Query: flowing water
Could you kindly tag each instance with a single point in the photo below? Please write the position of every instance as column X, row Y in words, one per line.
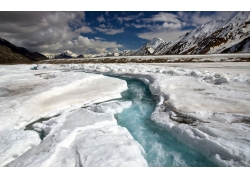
column 161, row 148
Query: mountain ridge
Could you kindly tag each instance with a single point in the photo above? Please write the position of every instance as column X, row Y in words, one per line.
column 10, row 53
column 217, row 36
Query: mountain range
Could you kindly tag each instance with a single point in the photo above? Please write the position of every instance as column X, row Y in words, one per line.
column 220, row 36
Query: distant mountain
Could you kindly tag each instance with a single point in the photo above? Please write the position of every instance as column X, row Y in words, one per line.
column 221, row 36
column 65, row 55
column 128, row 52
column 80, row 56
column 69, row 55
column 150, row 47
column 9, row 54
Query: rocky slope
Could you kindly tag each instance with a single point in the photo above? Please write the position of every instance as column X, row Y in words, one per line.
column 221, row 36
column 9, row 54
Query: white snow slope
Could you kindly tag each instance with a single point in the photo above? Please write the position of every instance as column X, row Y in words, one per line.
column 75, row 136
column 206, row 106
column 220, row 36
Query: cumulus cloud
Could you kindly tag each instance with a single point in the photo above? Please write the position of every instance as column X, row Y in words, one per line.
column 51, row 32
column 110, row 31
column 80, row 45
column 98, row 38
column 169, row 26
column 97, row 46
column 165, row 35
column 172, row 25
column 163, row 17
column 114, row 50
column 101, row 19
column 128, row 17
column 199, row 18
column 84, row 29
column 140, row 25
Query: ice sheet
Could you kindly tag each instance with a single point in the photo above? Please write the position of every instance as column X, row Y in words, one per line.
column 85, row 138
column 29, row 95
column 205, row 105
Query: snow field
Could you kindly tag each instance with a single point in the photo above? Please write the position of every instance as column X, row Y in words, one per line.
column 86, row 138
column 28, row 95
column 207, row 110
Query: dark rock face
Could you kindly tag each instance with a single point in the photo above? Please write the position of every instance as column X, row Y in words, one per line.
column 9, row 54
column 243, row 46
column 80, row 56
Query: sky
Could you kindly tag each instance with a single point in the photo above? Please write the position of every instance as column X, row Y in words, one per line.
column 94, row 32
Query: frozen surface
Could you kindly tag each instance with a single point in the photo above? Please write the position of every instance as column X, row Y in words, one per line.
column 163, row 58
column 206, row 106
column 161, row 148
column 16, row 142
column 28, row 95
column 85, row 137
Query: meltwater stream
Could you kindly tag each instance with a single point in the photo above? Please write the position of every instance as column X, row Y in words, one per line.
column 161, row 148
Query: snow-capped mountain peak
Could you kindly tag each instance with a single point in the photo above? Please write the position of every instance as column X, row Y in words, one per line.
column 64, row 54
column 217, row 36
column 152, row 45
column 69, row 53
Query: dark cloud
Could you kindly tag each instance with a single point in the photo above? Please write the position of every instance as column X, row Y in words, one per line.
column 50, row 32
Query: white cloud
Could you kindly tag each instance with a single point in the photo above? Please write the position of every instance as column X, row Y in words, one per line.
column 163, row 17
column 114, row 50
column 162, row 25
column 165, row 35
column 86, row 45
column 199, row 18
column 52, row 32
column 34, row 29
column 80, row 45
column 98, row 38
column 101, row 19
column 171, row 25
column 140, row 25
column 110, row 31
column 84, row 29
column 102, row 26
column 129, row 18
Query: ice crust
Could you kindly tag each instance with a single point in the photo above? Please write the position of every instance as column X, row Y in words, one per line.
column 206, row 106
column 85, row 138
column 27, row 96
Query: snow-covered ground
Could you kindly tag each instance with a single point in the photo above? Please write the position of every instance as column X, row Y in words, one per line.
column 244, row 57
column 71, row 132
column 206, row 106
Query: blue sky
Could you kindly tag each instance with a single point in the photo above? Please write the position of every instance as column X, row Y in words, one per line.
column 98, row 31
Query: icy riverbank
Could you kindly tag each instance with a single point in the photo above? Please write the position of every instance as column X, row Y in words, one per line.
column 207, row 110
column 71, row 132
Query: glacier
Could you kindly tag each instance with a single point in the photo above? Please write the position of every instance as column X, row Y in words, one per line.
column 203, row 105
column 29, row 95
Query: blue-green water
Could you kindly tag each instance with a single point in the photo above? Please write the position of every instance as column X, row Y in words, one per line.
column 161, row 148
